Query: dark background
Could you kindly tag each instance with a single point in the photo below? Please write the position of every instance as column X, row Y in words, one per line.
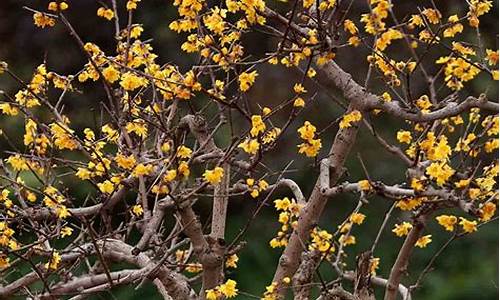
column 466, row 270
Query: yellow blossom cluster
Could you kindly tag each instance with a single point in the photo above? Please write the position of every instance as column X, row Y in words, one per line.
column 214, row 176
column 227, row 290
column 477, row 8
column 353, row 30
column 311, row 146
column 255, row 188
column 402, row 229
column 375, row 20
column 448, row 222
column 43, row 20
column 288, row 216
column 423, row 241
column 55, row 200
column 321, row 240
column 410, row 203
column 246, row 80
column 350, row 118
column 105, row 13
column 459, row 70
column 345, row 228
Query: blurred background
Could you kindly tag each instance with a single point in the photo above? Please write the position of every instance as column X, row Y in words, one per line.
column 468, row 269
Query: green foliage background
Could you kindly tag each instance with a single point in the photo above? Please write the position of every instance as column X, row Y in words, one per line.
column 467, row 270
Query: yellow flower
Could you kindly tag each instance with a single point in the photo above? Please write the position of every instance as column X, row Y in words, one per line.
column 423, row 241
column 364, row 185
column 111, row 74
column 136, row 31
column 43, row 20
column 232, row 261
column 487, row 211
column 126, row 162
column 462, row 183
column 468, row 226
column 433, row 15
column 170, row 175
column 263, row 185
column 350, row 27
column 83, row 174
column 299, row 102
column 448, row 222
column 418, row 184
column 142, row 170
column 165, row 147
column 311, row 73
column 299, row 88
column 491, row 145
column 455, row 27
column 347, row 240
column 348, row 119
column 105, row 13
column 402, row 229
column 387, row 37
column 424, row 103
column 441, row 151
column 66, row 231
column 211, row 294
column 246, row 80
column 4, row 262
column 63, row 6
column 441, row 172
column 137, row 210
column 386, row 97
column 106, row 187
column 321, row 241
column 130, row 81
column 266, row 110
column 54, row 261
column 310, row 148
column 410, row 203
column 282, row 204
column 214, row 176
column 13, row 245
column 491, row 57
column 271, row 135
column 404, row 137
column 495, row 75
column 110, row 133
column 132, row 4
column 357, row 218
column 258, row 125
column 8, row 109
column 374, row 264
column 183, row 169
column 138, row 127
column 250, row 146
column 31, row 196
column 184, row 152
column 17, row 162
column 307, row 131
column 30, row 134
column 228, row 289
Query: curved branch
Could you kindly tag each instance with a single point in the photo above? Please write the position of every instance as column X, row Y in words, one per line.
column 449, row 110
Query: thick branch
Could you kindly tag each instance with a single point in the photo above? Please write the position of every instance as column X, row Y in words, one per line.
column 401, row 262
column 311, row 213
column 304, row 275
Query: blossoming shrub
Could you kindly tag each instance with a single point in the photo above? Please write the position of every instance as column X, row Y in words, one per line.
column 154, row 154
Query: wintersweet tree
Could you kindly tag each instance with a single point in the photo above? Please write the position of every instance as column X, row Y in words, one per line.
column 169, row 138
